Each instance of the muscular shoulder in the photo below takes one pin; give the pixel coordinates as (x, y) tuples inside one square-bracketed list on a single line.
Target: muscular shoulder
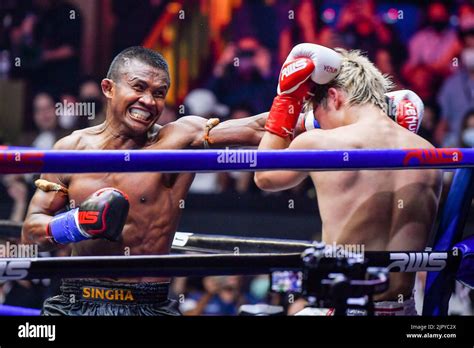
[(420, 142), (401, 138), (184, 123), (78, 139), (69, 142), (324, 139), (180, 133)]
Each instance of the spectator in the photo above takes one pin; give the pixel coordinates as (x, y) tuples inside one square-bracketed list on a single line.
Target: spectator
[(67, 117), (259, 288), (329, 37), (240, 182), (434, 46), (23, 293), (467, 130), (222, 296), (90, 92), (256, 18), (17, 191), (49, 39), (46, 121), (301, 29), (384, 62), (47, 132), (202, 102), (424, 82), (466, 15), (243, 75), (362, 29), (457, 94)]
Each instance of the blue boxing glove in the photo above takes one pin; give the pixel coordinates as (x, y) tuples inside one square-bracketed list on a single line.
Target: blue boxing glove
[(102, 215)]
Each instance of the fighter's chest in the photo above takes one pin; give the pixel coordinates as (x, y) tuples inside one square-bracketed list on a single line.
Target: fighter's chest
[(141, 188)]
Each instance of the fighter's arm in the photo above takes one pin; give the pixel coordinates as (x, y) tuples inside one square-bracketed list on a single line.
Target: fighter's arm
[(283, 179), (307, 64), (194, 132), (246, 131), (44, 205)]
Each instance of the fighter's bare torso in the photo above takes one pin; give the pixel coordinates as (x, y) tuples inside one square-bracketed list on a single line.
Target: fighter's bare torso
[(156, 201), (381, 210)]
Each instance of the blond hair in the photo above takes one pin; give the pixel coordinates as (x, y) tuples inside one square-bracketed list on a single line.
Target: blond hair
[(360, 79)]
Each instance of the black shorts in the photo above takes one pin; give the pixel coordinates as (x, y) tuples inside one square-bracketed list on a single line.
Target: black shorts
[(96, 297)]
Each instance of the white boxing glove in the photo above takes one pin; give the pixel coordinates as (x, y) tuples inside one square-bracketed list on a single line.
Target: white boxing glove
[(327, 61), (306, 65), (406, 108)]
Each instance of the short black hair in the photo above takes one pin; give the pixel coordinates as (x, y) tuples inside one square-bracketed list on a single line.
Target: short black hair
[(145, 55)]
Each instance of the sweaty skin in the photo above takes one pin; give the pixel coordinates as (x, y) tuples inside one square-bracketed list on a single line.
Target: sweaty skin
[(380, 209), (155, 198)]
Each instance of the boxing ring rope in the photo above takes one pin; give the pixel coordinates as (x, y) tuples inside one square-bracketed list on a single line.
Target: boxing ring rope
[(224, 244), (212, 244), (206, 265), (6, 310), (147, 265), (220, 245), (173, 161)]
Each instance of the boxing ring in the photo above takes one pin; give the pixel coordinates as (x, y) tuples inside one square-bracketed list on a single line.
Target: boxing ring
[(450, 258)]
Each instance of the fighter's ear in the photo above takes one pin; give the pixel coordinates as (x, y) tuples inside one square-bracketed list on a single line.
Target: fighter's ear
[(334, 98), (107, 87)]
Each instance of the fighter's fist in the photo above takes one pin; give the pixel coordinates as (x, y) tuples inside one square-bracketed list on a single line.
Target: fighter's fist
[(293, 78), (327, 62), (102, 215), (406, 108), (307, 64)]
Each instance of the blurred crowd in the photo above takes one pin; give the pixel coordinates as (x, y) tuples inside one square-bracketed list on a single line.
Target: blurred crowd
[(427, 47), (424, 46)]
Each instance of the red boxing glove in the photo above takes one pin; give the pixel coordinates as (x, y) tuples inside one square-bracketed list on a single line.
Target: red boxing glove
[(406, 108), (293, 89), (306, 65)]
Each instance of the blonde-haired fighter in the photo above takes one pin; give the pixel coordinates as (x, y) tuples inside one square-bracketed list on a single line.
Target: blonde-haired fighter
[(382, 210)]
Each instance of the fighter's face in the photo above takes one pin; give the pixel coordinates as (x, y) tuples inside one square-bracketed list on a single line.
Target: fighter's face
[(321, 113), (330, 112), (139, 96)]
